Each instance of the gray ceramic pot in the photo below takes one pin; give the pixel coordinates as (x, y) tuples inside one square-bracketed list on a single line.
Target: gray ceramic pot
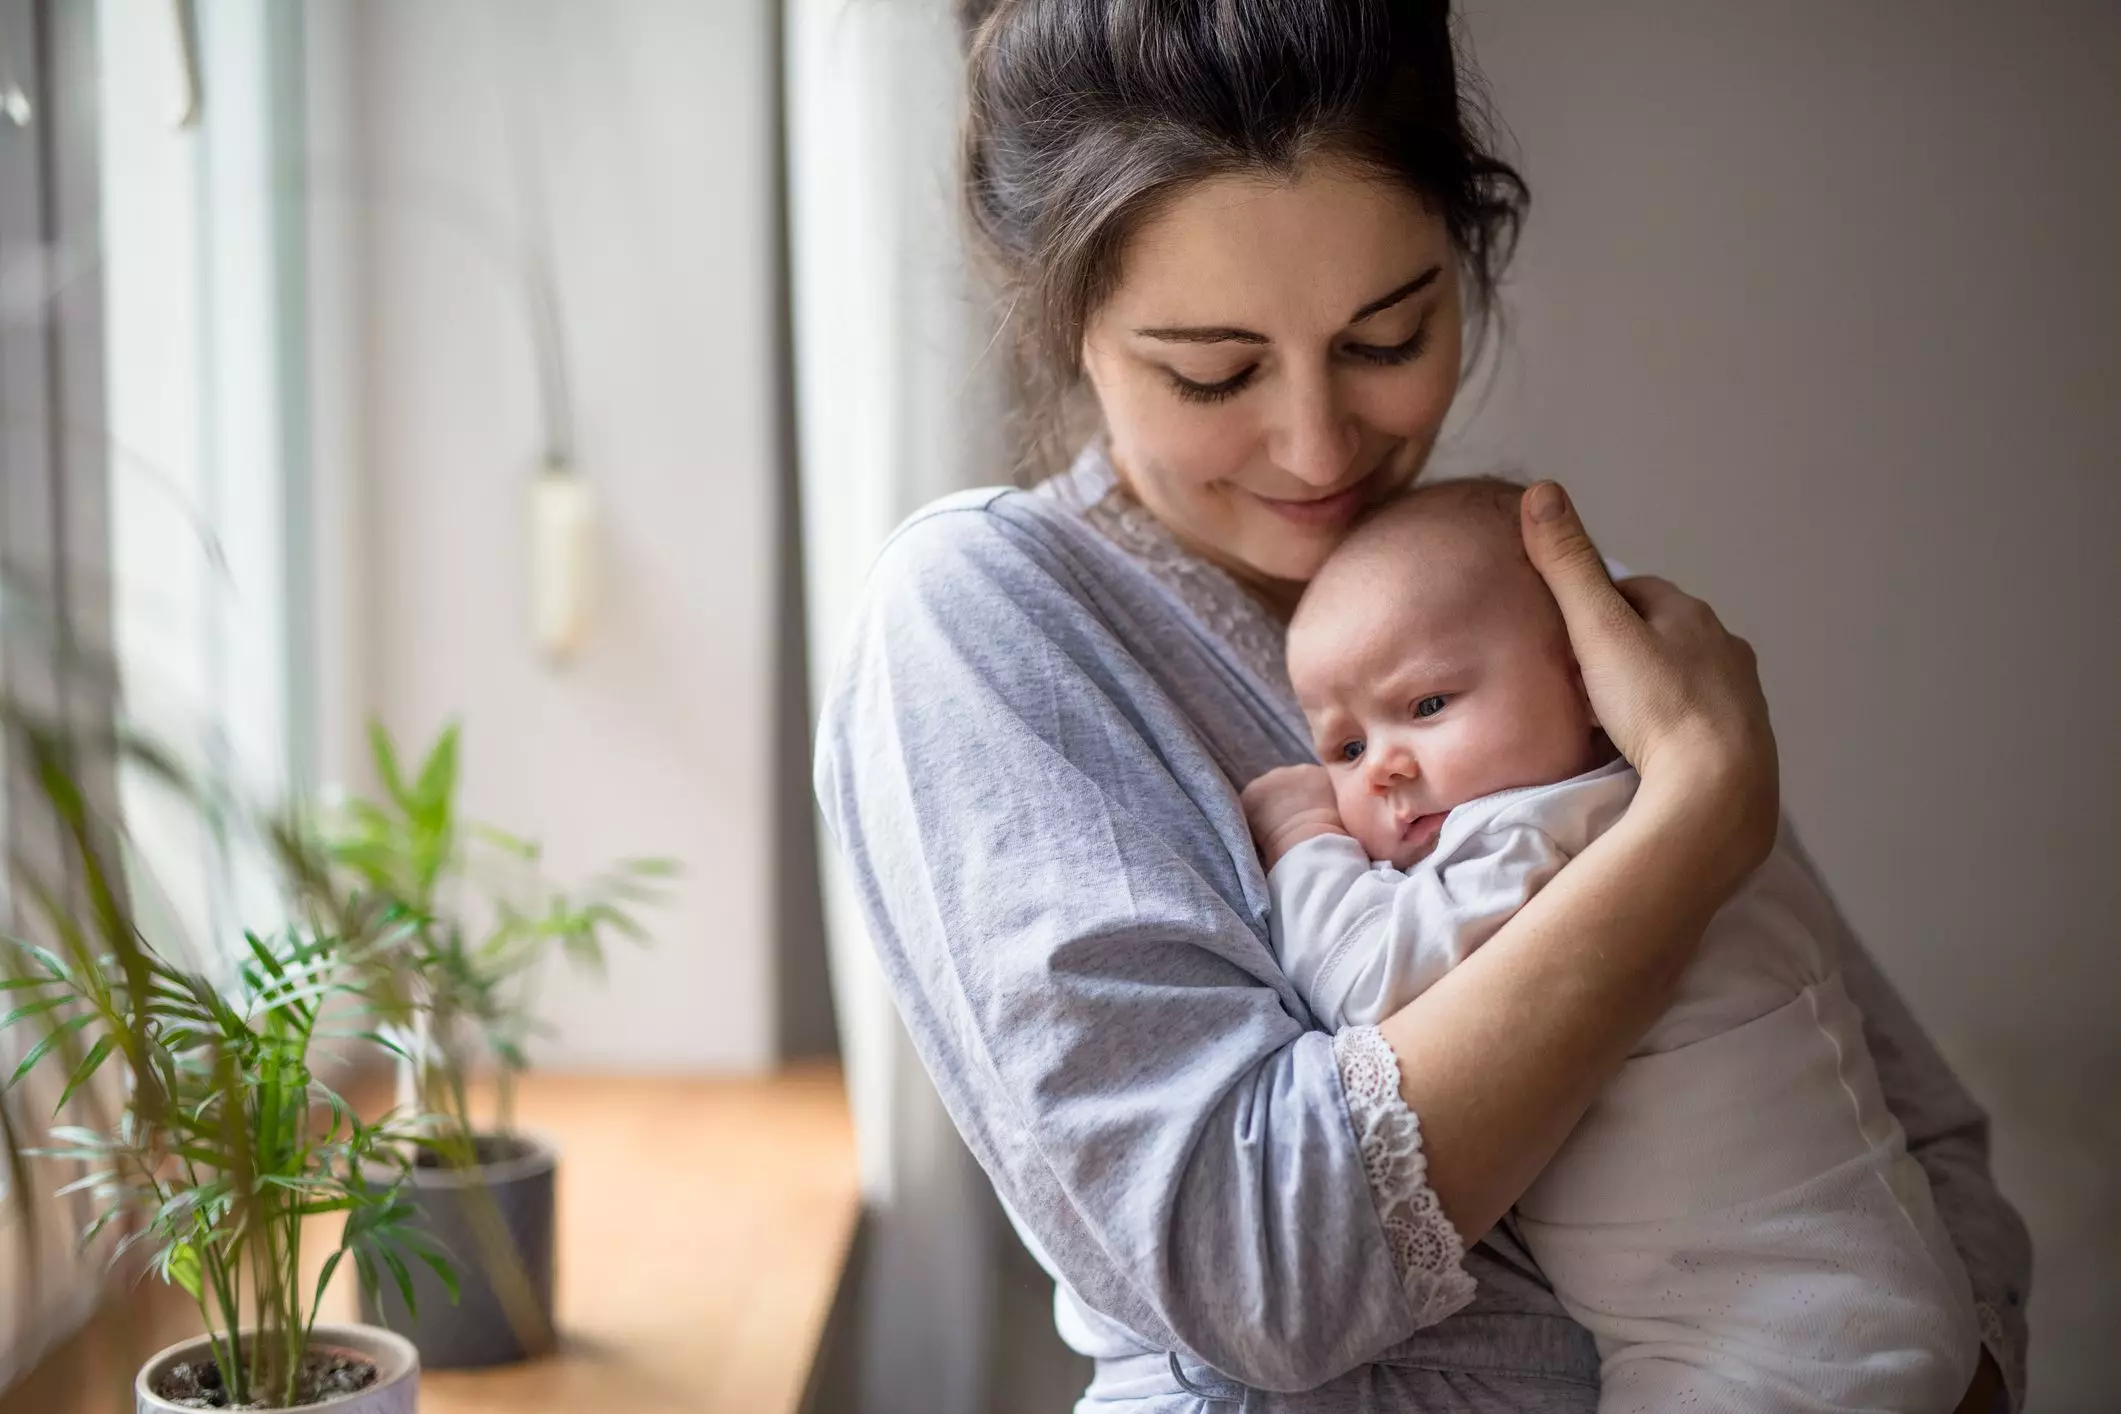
[(496, 1222), (396, 1389)]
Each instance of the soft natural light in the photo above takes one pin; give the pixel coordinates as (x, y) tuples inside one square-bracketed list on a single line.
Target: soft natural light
[(192, 323)]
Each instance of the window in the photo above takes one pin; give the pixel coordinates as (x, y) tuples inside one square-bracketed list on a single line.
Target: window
[(202, 358), (152, 416)]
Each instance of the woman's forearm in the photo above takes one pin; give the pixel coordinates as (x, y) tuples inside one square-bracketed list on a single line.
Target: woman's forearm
[(1504, 1054)]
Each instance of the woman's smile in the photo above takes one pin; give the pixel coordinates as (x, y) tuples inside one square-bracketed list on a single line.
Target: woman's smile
[(1320, 512)]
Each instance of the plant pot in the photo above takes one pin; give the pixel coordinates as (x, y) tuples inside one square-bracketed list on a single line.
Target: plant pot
[(396, 1389), (495, 1220)]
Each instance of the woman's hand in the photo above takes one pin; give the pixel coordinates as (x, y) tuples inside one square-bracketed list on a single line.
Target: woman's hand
[(1677, 692), (1288, 805)]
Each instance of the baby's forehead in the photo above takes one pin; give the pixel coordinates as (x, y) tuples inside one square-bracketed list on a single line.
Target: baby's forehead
[(1438, 572), (1476, 518), (1453, 546)]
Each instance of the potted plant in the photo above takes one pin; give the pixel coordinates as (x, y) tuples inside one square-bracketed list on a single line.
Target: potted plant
[(224, 1142), (472, 919)]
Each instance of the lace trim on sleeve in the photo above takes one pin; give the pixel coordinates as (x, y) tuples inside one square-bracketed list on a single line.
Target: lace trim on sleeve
[(2009, 1358), (1425, 1247)]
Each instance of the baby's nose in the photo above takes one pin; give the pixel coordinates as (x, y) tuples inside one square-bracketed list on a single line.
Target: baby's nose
[(1390, 766)]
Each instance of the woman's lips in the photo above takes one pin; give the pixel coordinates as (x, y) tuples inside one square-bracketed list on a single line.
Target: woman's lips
[(1325, 512)]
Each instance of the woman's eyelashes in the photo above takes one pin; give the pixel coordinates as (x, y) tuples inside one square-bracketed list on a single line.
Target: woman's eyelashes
[(1406, 351), (1194, 392)]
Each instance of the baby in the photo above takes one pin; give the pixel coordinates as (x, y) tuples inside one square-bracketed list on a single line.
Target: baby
[(1736, 1219)]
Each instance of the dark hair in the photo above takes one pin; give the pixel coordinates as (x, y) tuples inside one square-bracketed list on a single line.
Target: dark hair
[(1084, 115)]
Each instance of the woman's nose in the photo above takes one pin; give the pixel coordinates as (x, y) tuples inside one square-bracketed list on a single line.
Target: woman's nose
[(1318, 437)]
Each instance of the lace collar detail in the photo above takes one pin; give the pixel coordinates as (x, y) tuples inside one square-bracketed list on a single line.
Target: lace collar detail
[(1090, 490)]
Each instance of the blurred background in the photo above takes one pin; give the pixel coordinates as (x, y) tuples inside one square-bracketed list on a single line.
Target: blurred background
[(557, 368)]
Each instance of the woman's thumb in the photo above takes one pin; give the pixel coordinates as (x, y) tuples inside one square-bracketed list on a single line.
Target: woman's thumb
[(1561, 550)]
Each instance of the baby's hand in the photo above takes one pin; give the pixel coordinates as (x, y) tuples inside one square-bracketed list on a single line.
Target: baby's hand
[(1288, 805)]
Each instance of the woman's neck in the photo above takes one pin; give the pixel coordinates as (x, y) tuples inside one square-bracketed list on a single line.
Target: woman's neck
[(1277, 596)]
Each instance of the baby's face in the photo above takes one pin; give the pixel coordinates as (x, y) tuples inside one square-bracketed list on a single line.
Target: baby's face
[(1433, 674)]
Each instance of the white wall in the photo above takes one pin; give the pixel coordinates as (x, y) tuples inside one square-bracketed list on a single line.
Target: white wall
[(651, 122), (1819, 315)]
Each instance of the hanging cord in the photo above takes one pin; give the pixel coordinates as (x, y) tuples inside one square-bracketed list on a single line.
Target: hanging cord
[(533, 221), (190, 96)]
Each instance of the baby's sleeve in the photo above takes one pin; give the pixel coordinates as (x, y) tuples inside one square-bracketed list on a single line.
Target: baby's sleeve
[(1360, 941)]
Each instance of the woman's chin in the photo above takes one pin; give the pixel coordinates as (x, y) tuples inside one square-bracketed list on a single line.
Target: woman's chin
[(1291, 553)]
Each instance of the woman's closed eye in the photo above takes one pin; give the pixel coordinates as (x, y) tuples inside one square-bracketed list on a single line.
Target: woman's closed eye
[(1405, 351), (1194, 392)]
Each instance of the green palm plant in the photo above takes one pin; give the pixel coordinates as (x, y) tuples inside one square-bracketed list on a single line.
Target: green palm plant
[(248, 1144), (473, 918), (211, 1140)]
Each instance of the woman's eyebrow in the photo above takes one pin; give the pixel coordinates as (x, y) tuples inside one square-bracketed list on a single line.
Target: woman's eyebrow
[(1384, 302), (1226, 334), (1203, 336)]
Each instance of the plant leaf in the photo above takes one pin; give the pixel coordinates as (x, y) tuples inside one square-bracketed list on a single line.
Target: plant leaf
[(91, 1181), (331, 1264), (30, 1009), (443, 1268), (37, 1052), (182, 1267), (90, 1063), (386, 759), (401, 1277), (438, 774)]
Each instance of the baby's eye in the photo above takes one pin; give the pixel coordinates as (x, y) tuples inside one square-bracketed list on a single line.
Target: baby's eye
[(1350, 751), (1429, 706)]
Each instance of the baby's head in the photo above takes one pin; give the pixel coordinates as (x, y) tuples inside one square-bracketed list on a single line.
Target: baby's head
[(1435, 668)]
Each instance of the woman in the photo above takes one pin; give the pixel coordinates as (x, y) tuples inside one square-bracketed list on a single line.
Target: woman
[(1256, 231)]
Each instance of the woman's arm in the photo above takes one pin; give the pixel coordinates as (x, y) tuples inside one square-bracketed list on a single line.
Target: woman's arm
[(1504, 1055), (1060, 888)]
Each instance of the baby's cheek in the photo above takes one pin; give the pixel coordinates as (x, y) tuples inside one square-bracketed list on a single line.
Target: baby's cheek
[(1352, 803), (1349, 802), (1371, 823)]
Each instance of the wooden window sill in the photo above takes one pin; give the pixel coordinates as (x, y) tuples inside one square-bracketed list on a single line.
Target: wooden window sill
[(703, 1224)]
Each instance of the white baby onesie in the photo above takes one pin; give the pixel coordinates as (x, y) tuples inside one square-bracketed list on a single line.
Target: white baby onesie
[(1737, 1219)]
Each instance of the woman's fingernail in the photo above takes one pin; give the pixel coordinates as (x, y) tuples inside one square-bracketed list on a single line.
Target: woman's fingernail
[(1548, 501)]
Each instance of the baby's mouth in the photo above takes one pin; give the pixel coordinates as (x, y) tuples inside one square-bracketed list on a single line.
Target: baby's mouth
[(1421, 831)]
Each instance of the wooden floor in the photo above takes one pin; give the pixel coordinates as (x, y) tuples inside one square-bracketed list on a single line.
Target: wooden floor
[(703, 1228)]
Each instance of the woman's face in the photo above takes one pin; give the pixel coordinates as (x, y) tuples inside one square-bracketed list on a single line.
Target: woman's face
[(1276, 355)]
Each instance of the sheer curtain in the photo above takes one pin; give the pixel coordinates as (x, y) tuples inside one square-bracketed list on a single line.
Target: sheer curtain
[(899, 399), (54, 581)]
